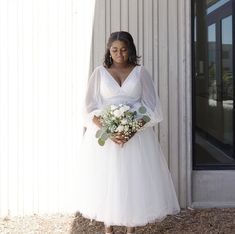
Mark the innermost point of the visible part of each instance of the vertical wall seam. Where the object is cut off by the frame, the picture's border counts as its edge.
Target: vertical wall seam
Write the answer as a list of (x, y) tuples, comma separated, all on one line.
[(8, 166), (187, 108), (105, 19), (120, 15), (168, 83), (143, 41), (152, 20), (17, 95), (178, 95), (58, 85), (158, 72), (33, 115), (48, 87), (38, 118), (128, 10), (138, 23), (179, 46), (110, 8), (23, 159)]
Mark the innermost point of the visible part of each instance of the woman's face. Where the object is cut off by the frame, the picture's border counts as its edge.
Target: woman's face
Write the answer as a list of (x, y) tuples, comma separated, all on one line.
[(119, 52)]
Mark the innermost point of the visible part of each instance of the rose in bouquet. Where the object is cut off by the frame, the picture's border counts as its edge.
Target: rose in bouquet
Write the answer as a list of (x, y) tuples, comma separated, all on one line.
[(119, 119)]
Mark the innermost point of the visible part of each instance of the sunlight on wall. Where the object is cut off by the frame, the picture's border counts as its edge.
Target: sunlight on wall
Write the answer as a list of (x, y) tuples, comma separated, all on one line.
[(44, 64)]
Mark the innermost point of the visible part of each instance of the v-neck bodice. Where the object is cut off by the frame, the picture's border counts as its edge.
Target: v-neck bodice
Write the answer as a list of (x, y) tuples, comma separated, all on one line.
[(111, 92), (137, 90), (123, 83)]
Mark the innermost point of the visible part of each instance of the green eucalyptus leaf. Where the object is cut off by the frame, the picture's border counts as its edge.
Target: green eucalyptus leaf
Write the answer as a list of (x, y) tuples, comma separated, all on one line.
[(146, 118), (105, 129), (101, 142), (105, 136), (98, 133), (142, 110)]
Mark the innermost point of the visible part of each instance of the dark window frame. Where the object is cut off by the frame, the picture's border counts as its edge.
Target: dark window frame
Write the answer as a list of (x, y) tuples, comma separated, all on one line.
[(230, 4)]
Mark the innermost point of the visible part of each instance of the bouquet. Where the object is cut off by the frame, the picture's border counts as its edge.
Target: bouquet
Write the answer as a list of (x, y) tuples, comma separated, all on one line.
[(119, 119)]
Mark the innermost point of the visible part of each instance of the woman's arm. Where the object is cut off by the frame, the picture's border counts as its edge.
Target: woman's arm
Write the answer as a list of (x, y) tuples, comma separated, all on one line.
[(150, 99), (92, 102)]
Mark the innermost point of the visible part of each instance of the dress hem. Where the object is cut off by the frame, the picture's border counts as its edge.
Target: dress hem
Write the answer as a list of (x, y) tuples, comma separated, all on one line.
[(149, 220)]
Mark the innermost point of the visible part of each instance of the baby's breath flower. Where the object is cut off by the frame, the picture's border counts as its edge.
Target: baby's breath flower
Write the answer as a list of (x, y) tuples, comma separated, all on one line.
[(117, 119)]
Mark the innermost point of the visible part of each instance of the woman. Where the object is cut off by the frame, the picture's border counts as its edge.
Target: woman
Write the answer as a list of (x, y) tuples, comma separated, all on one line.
[(126, 182)]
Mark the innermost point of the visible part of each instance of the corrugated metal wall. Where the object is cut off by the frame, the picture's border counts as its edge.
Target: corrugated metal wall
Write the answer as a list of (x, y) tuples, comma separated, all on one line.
[(161, 30), (42, 48), (44, 65)]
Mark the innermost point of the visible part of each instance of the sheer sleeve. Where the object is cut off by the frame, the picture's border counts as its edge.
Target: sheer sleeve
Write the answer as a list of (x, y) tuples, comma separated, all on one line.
[(92, 102), (150, 99)]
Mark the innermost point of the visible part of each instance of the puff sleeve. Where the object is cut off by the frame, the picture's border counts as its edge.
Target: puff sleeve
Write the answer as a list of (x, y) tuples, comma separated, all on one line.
[(150, 99), (92, 103)]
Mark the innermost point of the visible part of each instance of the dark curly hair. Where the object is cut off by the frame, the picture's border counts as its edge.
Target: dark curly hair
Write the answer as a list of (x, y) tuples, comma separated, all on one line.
[(127, 38)]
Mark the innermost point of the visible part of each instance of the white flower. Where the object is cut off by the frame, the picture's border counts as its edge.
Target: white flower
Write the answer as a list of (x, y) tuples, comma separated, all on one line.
[(124, 121), (126, 128), (117, 113), (113, 107), (120, 128), (127, 107), (124, 108)]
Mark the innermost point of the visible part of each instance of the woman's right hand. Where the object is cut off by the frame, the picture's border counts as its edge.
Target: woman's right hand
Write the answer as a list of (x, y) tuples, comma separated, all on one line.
[(117, 138)]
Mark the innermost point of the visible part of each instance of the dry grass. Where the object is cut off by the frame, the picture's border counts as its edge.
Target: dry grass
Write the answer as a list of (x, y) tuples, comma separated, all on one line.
[(199, 221)]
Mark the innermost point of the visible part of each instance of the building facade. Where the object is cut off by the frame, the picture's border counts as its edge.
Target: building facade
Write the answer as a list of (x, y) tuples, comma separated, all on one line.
[(49, 48), (188, 48), (162, 33)]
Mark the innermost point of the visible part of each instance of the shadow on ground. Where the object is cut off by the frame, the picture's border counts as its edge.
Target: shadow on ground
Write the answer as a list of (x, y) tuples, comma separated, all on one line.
[(212, 220)]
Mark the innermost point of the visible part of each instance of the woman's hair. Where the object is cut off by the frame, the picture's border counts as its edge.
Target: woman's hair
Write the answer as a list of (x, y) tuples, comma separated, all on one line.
[(128, 40)]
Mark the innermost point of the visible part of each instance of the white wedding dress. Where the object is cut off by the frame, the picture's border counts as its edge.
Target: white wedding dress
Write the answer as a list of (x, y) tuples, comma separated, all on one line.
[(129, 185)]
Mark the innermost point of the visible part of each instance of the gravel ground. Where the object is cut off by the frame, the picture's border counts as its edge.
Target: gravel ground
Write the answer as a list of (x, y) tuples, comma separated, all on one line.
[(201, 221)]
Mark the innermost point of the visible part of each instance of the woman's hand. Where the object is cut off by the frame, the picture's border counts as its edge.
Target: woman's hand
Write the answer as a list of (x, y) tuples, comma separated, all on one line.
[(118, 139), (121, 138), (141, 122), (97, 121)]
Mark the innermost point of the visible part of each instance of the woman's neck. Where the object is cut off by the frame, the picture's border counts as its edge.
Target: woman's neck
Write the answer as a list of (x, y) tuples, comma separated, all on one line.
[(120, 65)]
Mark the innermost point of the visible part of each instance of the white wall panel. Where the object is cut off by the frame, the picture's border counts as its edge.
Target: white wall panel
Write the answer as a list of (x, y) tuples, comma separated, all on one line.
[(173, 47), (44, 65), (133, 19), (125, 14), (115, 15)]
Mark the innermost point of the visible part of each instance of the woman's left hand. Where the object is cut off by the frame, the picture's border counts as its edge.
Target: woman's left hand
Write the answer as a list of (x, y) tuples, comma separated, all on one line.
[(121, 138)]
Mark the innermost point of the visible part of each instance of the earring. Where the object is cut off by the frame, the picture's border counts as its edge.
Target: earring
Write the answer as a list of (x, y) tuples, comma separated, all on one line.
[(110, 59)]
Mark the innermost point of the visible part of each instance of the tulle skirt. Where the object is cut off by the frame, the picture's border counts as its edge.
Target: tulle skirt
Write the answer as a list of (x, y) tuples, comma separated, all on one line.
[(126, 186)]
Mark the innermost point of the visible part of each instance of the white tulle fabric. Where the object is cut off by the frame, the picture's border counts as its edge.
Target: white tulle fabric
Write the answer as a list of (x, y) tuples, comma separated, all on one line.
[(129, 185)]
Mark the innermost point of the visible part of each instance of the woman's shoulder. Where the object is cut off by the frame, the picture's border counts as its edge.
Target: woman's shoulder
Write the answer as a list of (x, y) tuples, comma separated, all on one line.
[(98, 68), (96, 71), (101, 68), (142, 67), (145, 73), (143, 70)]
